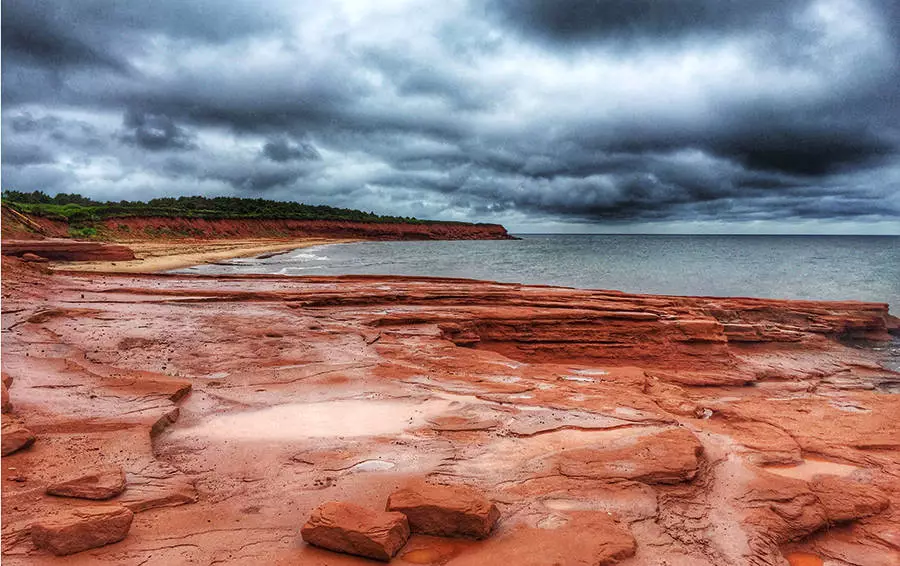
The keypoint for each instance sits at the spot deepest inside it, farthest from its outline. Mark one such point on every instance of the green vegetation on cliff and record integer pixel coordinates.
(79, 210)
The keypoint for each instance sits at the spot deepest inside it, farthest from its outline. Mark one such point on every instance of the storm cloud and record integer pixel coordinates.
(541, 114)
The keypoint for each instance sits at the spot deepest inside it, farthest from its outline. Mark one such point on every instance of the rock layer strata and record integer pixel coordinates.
(680, 430)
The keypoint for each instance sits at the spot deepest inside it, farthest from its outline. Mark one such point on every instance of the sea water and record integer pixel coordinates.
(865, 268)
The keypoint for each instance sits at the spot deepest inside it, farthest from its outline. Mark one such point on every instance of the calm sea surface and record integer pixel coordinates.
(798, 267)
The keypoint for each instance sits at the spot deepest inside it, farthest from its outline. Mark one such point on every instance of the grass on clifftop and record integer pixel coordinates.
(78, 210)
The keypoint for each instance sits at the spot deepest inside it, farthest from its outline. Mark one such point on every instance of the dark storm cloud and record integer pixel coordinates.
(283, 149)
(95, 32)
(609, 111)
(618, 20)
(26, 154)
(154, 132)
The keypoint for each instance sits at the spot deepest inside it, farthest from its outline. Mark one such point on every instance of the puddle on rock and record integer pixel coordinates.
(803, 559)
(373, 466)
(551, 522)
(812, 467)
(440, 553)
(329, 419)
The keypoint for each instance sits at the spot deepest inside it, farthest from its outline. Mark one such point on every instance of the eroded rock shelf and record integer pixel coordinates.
(679, 431)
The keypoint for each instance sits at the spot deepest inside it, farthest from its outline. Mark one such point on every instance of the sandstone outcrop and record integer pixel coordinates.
(845, 500)
(352, 529)
(81, 529)
(442, 510)
(786, 509)
(582, 538)
(576, 411)
(103, 483)
(19, 226)
(670, 456)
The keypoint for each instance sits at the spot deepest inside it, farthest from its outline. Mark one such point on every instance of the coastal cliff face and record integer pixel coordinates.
(673, 430)
(19, 226)
(162, 227)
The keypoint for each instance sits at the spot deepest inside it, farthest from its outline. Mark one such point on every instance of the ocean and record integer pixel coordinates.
(865, 268)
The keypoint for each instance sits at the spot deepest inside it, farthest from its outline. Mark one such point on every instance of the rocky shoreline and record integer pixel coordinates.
(606, 427)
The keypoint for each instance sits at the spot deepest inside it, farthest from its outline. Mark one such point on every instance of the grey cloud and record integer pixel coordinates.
(26, 154)
(155, 132)
(629, 20)
(554, 111)
(283, 149)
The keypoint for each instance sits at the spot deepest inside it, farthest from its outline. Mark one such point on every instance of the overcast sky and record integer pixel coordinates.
(544, 115)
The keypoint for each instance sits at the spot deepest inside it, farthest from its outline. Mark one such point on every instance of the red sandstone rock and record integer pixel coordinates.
(845, 500)
(325, 338)
(670, 456)
(82, 529)
(15, 436)
(104, 483)
(445, 510)
(782, 509)
(583, 538)
(349, 528)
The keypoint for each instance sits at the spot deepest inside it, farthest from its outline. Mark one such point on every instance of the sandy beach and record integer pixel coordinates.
(155, 256)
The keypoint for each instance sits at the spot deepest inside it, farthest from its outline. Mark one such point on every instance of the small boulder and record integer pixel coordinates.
(440, 510)
(15, 437)
(82, 529)
(349, 528)
(103, 483)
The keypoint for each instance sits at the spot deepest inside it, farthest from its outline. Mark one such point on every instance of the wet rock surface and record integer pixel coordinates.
(675, 430)
(349, 528)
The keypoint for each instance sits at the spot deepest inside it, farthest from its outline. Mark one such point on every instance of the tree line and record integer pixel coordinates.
(77, 208)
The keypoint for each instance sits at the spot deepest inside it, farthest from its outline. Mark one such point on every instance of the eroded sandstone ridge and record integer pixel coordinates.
(607, 428)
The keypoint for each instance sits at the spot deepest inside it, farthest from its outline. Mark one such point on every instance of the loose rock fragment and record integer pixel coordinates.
(349, 528)
(445, 510)
(82, 529)
(15, 437)
(104, 483)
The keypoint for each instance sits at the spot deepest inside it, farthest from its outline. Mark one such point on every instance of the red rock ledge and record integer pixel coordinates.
(606, 427)
(67, 250)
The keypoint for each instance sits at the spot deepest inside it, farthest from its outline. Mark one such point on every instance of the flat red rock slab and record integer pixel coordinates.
(103, 483)
(82, 529)
(442, 510)
(584, 538)
(349, 528)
